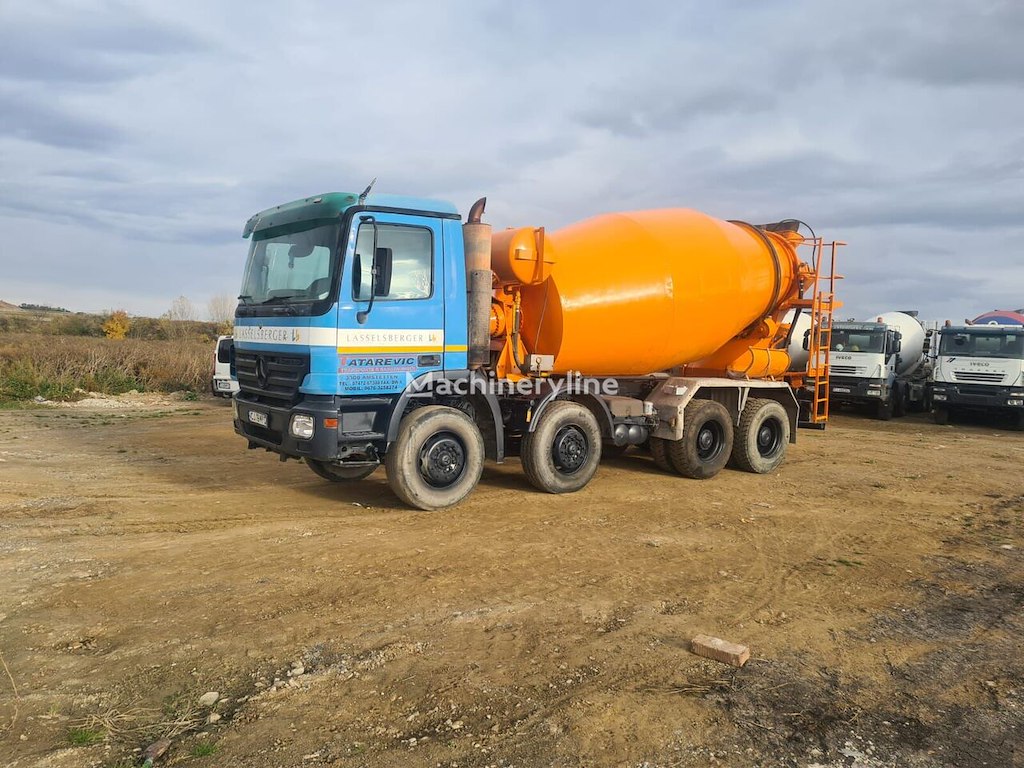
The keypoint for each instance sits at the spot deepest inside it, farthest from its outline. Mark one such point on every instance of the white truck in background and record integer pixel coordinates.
(224, 383)
(885, 364)
(980, 368)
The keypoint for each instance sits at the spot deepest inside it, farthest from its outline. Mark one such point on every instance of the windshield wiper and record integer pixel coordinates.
(282, 299)
(245, 298)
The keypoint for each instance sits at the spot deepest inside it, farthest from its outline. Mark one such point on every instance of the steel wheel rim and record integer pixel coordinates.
(769, 438)
(710, 440)
(442, 460)
(570, 449)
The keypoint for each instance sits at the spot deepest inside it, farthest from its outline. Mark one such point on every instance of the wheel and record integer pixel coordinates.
(613, 451)
(941, 415)
(760, 441)
(562, 454)
(883, 409)
(1017, 422)
(899, 397)
(706, 443)
(339, 473)
(437, 459)
(659, 451)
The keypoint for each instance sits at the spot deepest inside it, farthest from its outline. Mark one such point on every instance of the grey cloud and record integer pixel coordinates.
(31, 118)
(103, 44)
(636, 114)
(941, 44)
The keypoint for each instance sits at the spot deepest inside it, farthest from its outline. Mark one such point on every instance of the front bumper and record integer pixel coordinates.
(343, 427)
(842, 389)
(978, 396)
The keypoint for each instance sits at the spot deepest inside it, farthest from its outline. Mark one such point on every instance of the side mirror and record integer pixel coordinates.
(807, 340)
(357, 276)
(897, 345)
(382, 264)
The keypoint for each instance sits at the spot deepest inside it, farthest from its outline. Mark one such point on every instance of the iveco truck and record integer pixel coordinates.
(980, 368)
(883, 364)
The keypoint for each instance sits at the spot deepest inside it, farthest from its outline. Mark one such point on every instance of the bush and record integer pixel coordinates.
(34, 365)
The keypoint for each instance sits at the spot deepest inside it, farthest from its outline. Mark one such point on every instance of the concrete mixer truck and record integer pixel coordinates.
(980, 368)
(884, 363)
(377, 329)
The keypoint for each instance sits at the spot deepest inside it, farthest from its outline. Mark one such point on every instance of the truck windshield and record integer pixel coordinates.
(848, 340)
(292, 268)
(984, 344)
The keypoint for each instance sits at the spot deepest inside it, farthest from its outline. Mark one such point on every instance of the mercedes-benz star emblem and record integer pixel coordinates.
(262, 375)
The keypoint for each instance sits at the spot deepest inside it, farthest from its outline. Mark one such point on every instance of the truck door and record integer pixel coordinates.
(384, 344)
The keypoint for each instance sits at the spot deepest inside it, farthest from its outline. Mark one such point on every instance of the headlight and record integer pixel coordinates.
(938, 396)
(1015, 393)
(1015, 402)
(302, 426)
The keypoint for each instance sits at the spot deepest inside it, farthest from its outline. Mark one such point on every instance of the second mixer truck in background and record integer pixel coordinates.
(376, 329)
(883, 364)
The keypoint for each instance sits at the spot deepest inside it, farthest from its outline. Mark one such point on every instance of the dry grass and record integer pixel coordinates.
(55, 367)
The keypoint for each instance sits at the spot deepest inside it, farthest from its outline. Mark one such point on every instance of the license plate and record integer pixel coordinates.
(844, 390)
(258, 418)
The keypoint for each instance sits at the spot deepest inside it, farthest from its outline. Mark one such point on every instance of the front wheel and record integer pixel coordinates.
(761, 437)
(900, 397)
(437, 459)
(941, 415)
(562, 454)
(339, 473)
(883, 409)
(706, 443)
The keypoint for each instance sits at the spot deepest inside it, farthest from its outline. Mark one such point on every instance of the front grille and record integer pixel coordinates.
(847, 370)
(984, 377)
(284, 375)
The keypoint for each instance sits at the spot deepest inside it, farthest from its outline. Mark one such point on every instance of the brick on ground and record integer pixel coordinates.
(720, 650)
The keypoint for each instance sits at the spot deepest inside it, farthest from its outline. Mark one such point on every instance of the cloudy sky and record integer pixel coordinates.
(137, 137)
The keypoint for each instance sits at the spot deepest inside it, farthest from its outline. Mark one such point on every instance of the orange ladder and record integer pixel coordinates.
(821, 304)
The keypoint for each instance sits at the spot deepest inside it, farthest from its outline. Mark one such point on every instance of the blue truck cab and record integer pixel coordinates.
(344, 302)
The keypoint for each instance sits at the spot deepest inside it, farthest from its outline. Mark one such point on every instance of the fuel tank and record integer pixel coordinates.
(635, 293)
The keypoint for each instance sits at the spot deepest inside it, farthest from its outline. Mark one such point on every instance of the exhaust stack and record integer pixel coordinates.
(477, 238)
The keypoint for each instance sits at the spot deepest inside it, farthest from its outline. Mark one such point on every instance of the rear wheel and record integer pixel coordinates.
(437, 459)
(562, 454)
(339, 473)
(761, 438)
(706, 443)
(659, 452)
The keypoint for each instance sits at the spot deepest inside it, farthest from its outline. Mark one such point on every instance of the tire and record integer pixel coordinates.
(562, 454)
(1017, 422)
(437, 459)
(759, 445)
(659, 452)
(941, 415)
(339, 473)
(706, 444)
(884, 408)
(900, 396)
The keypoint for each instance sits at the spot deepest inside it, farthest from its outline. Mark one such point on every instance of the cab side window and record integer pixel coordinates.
(410, 253)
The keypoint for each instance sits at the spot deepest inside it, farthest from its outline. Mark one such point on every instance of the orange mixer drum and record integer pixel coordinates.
(635, 293)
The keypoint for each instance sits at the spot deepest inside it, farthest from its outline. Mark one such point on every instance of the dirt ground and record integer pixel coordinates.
(147, 558)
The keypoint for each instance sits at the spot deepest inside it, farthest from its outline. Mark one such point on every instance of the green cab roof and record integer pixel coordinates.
(334, 204)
